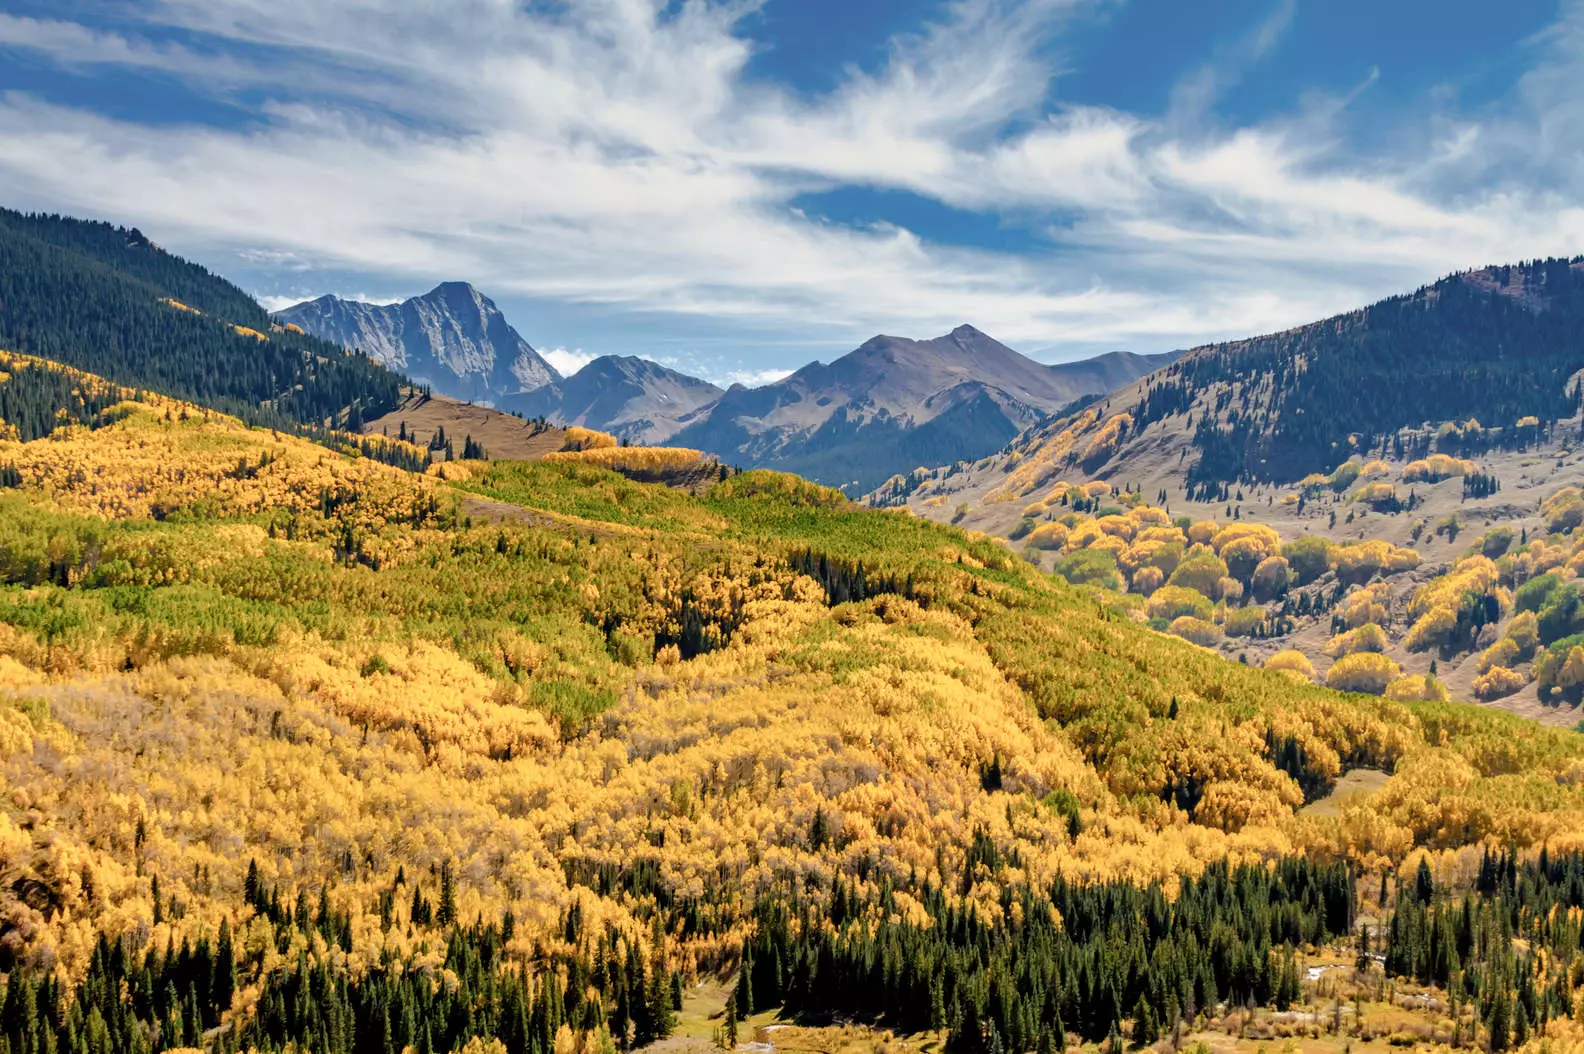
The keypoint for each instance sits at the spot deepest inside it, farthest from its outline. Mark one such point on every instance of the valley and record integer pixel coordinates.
(321, 731)
(1474, 509)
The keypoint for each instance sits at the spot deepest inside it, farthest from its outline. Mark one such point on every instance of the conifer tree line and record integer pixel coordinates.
(1506, 949)
(1107, 962)
(1122, 953)
(92, 296)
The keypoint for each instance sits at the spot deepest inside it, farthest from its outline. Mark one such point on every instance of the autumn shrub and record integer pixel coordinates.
(1360, 561)
(1309, 558)
(1378, 495)
(1496, 542)
(1368, 672)
(1497, 682)
(1090, 567)
(1048, 536)
(1170, 602)
(1367, 604)
(1563, 511)
(639, 462)
(1436, 468)
(1106, 441)
(1243, 555)
(1417, 688)
(1536, 594)
(1200, 572)
(1473, 576)
(1433, 629)
(1343, 476)
(1562, 616)
(1502, 653)
(1292, 661)
(1368, 637)
(1229, 590)
(1117, 526)
(1240, 622)
(579, 438)
(1196, 631)
(1524, 631)
(1272, 578)
(1559, 671)
(1146, 580)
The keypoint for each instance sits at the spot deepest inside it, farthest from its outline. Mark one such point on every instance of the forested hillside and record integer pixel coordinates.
(104, 299)
(1492, 346)
(302, 750)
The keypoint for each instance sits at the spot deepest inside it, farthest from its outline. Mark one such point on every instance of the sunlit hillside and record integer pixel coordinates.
(337, 727)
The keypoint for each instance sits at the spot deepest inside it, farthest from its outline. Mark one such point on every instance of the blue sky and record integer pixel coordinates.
(736, 188)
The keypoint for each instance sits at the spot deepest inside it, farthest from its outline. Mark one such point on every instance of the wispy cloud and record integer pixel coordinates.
(615, 153)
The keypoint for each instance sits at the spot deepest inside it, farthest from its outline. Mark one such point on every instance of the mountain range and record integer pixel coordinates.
(888, 407)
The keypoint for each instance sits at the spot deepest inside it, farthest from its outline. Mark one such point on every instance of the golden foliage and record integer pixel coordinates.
(1044, 455)
(1359, 561)
(1563, 510)
(1196, 631)
(579, 438)
(1292, 661)
(1201, 572)
(1498, 681)
(1169, 602)
(1366, 605)
(633, 460)
(1436, 468)
(1363, 671)
(1368, 637)
(1417, 687)
(1146, 580)
(1376, 494)
(221, 673)
(1107, 439)
(1048, 536)
(1431, 629)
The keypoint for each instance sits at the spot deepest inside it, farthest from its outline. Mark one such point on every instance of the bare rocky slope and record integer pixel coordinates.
(453, 339)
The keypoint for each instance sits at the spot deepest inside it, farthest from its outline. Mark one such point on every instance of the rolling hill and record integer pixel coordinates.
(1427, 531)
(299, 714)
(1493, 345)
(306, 749)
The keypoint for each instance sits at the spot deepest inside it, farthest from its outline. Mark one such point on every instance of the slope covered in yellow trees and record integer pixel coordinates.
(644, 708)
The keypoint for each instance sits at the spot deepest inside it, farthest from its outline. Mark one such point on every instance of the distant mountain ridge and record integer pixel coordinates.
(452, 338)
(1482, 360)
(887, 407)
(894, 404)
(636, 399)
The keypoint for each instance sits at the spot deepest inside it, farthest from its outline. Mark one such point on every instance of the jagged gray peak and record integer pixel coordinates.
(636, 399)
(452, 338)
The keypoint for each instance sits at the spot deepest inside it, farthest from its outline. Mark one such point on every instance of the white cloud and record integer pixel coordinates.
(756, 378)
(566, 362)
(614, 154)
